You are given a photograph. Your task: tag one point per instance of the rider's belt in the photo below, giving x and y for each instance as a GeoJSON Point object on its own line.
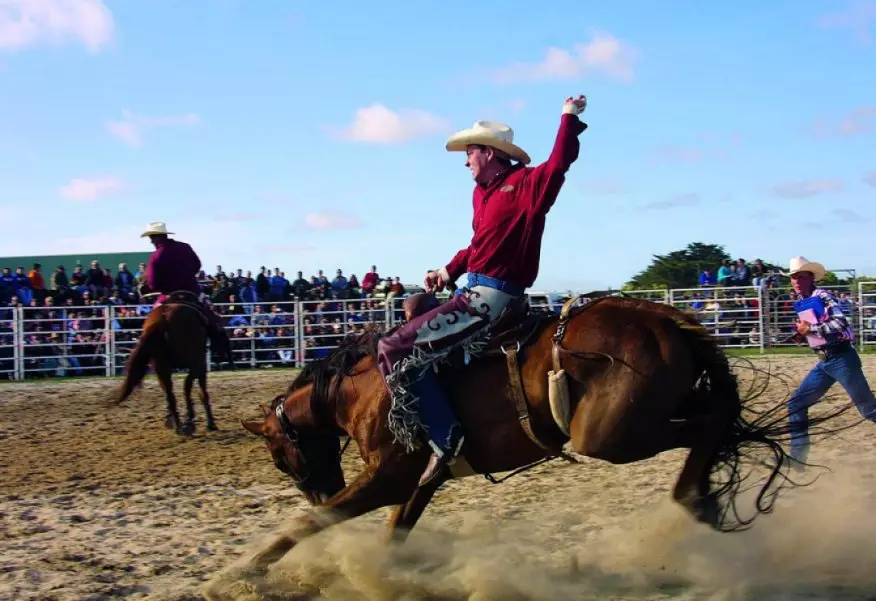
{"type": "Point", "coordinates": [830, 350]}
{"type": "Point", "coordinates": [476, 279]}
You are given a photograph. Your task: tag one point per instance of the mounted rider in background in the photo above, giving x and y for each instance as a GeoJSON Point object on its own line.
{"type": "Point", "coordinates": [511, 203]}
{"type": "Point", "coordinates": [172, 269]}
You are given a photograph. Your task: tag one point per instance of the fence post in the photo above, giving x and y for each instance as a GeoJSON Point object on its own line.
{"type": "Point", "coordinates": [299, 334]}
{"type": "Point", "coordinates": [860, 303]}
{"type": "Point", "coordinates": [760, 319]}
{"type": "Point", "coordinates": [107, 345]}
{"type": "Point", "coordinates": [18, 341]}
{"type": "Point", "coordinates": [111, 338]}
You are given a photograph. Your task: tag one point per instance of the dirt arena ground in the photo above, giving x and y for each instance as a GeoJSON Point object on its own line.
{"type": "Point", "coordinates": [100, 503]}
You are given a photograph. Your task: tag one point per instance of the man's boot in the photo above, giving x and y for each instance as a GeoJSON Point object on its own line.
{"type": "Point", "coordinates": [444, 431]}
{"type": "Point", "coordinates": [220, 343]}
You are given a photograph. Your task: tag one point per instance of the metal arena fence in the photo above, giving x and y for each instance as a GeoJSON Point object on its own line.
{"type": "Point", "coordinates": [95, 340]}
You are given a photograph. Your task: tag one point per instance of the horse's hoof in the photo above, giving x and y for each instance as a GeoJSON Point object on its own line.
{"type": "Point", "coordinates": [707, 510]}
{"type": "Point", "coordinates": [187, 429]}
{"type": "Point", "coordinates": [171, 423]}
{"type": "Point", "coordinates": [212, 427]}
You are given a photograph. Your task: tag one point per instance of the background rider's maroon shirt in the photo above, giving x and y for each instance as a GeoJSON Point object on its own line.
{"type": "Point", "coordinates": [509, 214]}
{"type": "Point", "coordinates": [173, 266]}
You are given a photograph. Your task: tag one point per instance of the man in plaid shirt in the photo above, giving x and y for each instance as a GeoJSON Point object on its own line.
{"type": "Point", "coordinates": [831, 338]}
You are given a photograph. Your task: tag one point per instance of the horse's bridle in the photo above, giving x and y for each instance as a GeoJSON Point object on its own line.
{"type": "Point", "coordinates": [294, 437]}
{"type": "Point", "coordinates": [299, 441]}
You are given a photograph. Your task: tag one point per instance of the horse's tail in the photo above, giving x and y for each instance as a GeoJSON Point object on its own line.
{"type": "Point", "coordinates": [138, 361]}
{"type": "Point", "coordinates": [754, 436]}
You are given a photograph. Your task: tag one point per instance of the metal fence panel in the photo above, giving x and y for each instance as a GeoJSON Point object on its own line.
{"type": "Point", "coordinates": [53, 341]}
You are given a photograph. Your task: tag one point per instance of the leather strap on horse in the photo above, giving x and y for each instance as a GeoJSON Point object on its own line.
{"type": "Point", "coordinates": [518, 395]}
{"type": "Point", "coordinates": [557, 347]}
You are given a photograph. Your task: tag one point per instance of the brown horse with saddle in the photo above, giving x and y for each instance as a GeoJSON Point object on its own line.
{"type": "Point", "coordinates": [175, 332]}
{"type": "Point", "coordinates": [621, 379]}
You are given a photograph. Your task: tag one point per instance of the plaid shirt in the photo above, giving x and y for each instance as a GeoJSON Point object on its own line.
{"type": "Point", "coordinates": [833, 325]}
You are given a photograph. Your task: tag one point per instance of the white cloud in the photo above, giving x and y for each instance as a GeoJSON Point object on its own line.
{"type": "Point", "coordinates": [859, 19]}
{"type": "Point", "coordinates": [131, 128]}
{"type": "Point", "coordinates": [604, 53]}
{"type": "Point", "coordinates": [857, 121]}
{"type": "Point", "coordinates": [377, 123]}
{"type": "Point", "coordinates": [26, 23]}
{"type": "Point", "coordinates": [806, 188]}
{"type": "Point", "coordinates": [90, 189]}
{"type": "Point", "coordinates": [331, 221]}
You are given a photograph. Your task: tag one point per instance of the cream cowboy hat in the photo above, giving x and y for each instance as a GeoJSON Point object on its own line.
{"type": "Point", "coordinates": [488, 133]}
{"type": "Point", "coordinates": [156, 228]}
{"type": "Point", "coordinates": [799, 264]}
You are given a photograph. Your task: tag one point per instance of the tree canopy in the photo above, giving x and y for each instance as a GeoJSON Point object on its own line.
{"type": "Point", "coordinates": [682, 268]}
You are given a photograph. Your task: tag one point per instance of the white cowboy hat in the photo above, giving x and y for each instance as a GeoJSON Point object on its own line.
{"type": "Point", "coordinates": [488, 133]}
{"type": "Point", "coordinates": [155, 228]}
{"type": "Point", "coordinates": [798, 264]}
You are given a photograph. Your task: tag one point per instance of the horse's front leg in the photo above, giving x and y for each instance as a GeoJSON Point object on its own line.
{"type": "Point", "coordinates": [406, 516]}
{"type": "Point", "coordinates": [371, 490]}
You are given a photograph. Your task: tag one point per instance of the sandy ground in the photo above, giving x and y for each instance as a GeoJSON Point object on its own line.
{"type": "Point", "coordinates": [100, 503]}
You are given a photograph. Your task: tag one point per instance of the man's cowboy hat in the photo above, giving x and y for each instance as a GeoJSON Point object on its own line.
{"type": "Point", "coordinates": [488, 133]}
{"type": "Point", "coordinates": [799, 264]}
{"type": "Point", "coordinates": [156, 228]}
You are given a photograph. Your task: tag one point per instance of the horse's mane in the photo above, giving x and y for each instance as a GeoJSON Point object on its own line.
{"type": "Point", "coordinates": [339, 362]}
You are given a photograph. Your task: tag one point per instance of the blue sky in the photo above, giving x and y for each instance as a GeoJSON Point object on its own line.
{"type": "Point", "coordinates": [282, 134]}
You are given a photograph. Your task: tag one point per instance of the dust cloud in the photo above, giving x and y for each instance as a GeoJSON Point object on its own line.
{"type": "Point", "coordinates": [815, 546]}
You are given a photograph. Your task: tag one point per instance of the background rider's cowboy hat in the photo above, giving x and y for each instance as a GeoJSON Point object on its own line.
{"type": "Point", "coordinates": [798, 264]}
{"type": "Point", "coordinates": [488, 133]}
{"type": "Point", "coordinates": [156, 228]}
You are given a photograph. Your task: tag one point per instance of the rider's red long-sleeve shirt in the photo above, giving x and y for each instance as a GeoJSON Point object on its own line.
{"type": "Point", "coordinates": [509, 214]}
{"type": "Point", "coordinates": [172, 267]}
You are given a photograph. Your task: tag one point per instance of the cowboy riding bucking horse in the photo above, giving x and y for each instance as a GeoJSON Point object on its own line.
{"type": "Point", "coordinates": [511, 202]}
{"type": "Point", "coordinates": [173, 269]}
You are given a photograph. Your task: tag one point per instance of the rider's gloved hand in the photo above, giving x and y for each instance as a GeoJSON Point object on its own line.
{"type": "Point", "coordinates": [575, 106]}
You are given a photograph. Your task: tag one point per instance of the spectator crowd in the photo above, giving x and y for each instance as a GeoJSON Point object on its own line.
{"type": "Point", "coordinates": [65, 325]}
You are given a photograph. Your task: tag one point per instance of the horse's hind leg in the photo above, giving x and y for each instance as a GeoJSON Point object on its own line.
{"type": "Point", "coordinates": [704, 436]}
{"type": "Point", "coordinates": [189, 425]}
{"type": "Point", "coordinates": [205, 400]}
{"type": "Point", "coordinates": [165, 378]}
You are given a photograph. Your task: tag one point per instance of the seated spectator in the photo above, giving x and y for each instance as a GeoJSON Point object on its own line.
{"type": "Point", "coordinates": [21, 285]}
{"type": "Point", "coordinates": [339, 285]}
{"type": "Point", "coordinates": [37, 283]}
{"type": "Point", "coordinates": [370, 281]}
{"type": "Point", "coordinates": [707, 278]}
{"type": "Point", "coordinates": [725, 274]}
{"type": "Point", "coordinates": [300, 286]}
{"type": "Point", "coordinates": [125, 281]}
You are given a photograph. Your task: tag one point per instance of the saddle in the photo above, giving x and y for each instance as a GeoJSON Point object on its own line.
{"type": "Point", "coordinates": [191, 300]}
{"type": "Point", "coordinates": [510, 334]}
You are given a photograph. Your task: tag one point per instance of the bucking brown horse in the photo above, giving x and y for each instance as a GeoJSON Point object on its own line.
{"type": "Point", "coordinates": [174, 337]}
{"type": "Point", "coordinates": [621, 379]}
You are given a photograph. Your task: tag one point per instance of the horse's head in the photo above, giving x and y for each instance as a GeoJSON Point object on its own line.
{"type": "Point", "coordinates": [310, 455]}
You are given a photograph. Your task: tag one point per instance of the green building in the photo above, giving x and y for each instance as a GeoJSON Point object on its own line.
{"type": "Point", "coordinates": [50, 262]}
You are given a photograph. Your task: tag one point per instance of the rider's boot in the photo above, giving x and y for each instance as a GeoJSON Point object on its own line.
{"type": "Point", "coordinates": [219, 340]}
{"type": "Point", "coordinates": [444, 431]}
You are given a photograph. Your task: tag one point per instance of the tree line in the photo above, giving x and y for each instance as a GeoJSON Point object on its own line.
{"type": "Point", "coordinates": [682, 269]}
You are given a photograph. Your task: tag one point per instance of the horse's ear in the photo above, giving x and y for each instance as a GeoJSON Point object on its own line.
{"type": "Point", "coordinates": [256, 428]}
{"type": "Point", "coordinates": [266, 410]}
